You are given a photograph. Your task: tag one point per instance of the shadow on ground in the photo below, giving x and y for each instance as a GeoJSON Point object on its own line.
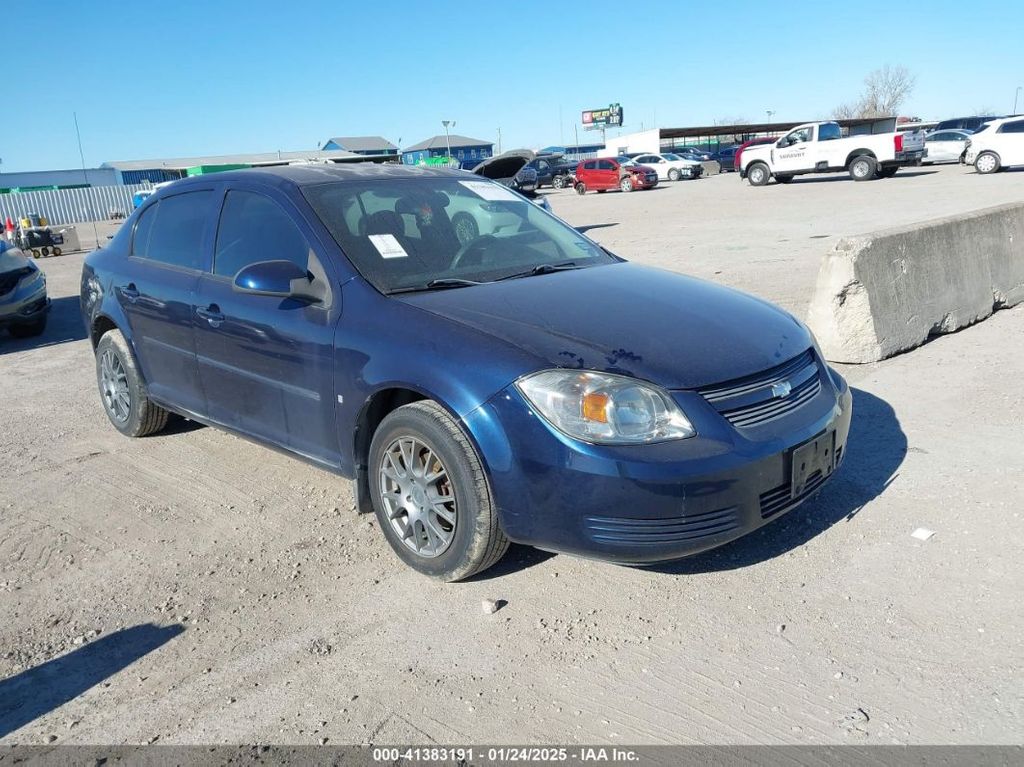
{"type": "Point", "coordinates": [813, 178]}
{"type": "Point", "coordinates": [39, 690]}
{"type": "Point", "coordinates": [63, 324]}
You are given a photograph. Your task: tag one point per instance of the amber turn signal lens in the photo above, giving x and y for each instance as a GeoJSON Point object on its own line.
{"type": "Point", "coordinates": [595, 407]}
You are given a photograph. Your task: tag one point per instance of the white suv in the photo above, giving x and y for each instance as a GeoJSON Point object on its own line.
{"type": "Point", "coordinates": [997, 145]}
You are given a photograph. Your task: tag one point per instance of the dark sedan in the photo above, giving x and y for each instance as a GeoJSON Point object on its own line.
{"type": "Point", "coordinates": [524, 386]}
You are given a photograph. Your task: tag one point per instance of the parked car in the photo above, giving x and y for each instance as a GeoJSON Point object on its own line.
{"type": "Point", "coordinates": [964, 123]}
{"type": "Point", "coordinates": [692, 153]}
{"type": "Point", "coordinates": [670, 166]}
{"type": "Point", "coordinates": [24, 305]}
{"type": "Point", "coordinates": [553, 170]}
{"type": "Point", "coordinates": [605, 173]}
{"type": "Point", "coordinates": [511, 169]}
{"type": "Point", "coordinates": [737, 159]}
{"type": "Point", "coordinates": [821, 148]}
{"type": "Point", "coordinates": [726, 157]}
{"type": "Point", "coordinates": [945, 145]}
{"type": "Point", "coordinates": [997, 145]}
{"type": "Point", "coordinates": [472, 392]}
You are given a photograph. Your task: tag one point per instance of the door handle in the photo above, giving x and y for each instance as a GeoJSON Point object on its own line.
{"type": "Point", "coordinates": [211, 314]}
{"type": "Point", "coordinates": [129, 292]}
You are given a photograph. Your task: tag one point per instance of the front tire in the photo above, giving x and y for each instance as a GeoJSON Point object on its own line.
{"type": "Point", "coordinates": [123, 391]}
{"type": "Point", "coordinates": [758, 174]}
{"type": "Point", "coordinates": [986, 162]}
{"type": "Point", "coordinates": [626, 184]}
{"type": "Point", "coordinates": [558, 182]}
{"type": "Point", "coordinates": [863, 168]}
{"type": "Point", "coordinates": [673, 174]}
{"type": "Point", "coordinates": [431, 495]}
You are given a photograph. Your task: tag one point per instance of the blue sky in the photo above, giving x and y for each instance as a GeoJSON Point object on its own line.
{"type": "Point", "coordinates": [155, 78]}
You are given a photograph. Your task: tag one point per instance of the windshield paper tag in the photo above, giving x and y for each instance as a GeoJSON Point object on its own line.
{"type": "Point", "coordinates": [388, 246]}
{"type": "Point", "coordinates": [491, 192]}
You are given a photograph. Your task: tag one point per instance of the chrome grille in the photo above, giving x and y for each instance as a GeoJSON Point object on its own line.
{"type": "Point", "coordinates": [762, 397]}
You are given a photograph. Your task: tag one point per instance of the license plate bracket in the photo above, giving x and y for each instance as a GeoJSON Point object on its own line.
{"type": "Point", "coordinates": [813, 457]}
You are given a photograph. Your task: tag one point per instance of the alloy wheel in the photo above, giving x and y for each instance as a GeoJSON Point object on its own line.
{"type": "Point", "coordinates": [114, 386]}
{"type": "Point", "coordinates": [418, 497]}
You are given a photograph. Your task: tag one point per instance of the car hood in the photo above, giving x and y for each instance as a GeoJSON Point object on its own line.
{"type": "Point", "coordinates": [505, 165]}
{"type": "Point", "coordinates": [11, 260]}
{"type": "Point", "coordinates": [675, 331]}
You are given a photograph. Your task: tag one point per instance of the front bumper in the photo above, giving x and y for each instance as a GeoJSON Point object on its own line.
{"type": "Point", "coordinates": [26, 304]}
{"type": "Point", "coordinates": [645, 182]}
{"type": "Point", "coordinates": [648, 503]}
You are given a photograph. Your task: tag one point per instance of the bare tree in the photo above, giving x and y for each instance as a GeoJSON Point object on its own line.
{"type": "Point", "coordinates": [885, 91]}
{"type": "Point", "coordinates": [983, 111]}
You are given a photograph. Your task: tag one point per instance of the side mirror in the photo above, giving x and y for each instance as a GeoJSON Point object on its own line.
{"type": "Point", "coordinates": [280, 279]}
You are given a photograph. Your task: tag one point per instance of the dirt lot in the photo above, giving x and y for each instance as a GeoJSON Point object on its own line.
{"type": "Point", "coordinates": [195, 588]}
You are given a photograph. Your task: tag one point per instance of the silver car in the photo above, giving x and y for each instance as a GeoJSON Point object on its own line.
{"type": "Point", "coordinates": [945, 145]}
{"type": "Point", "coordinates": [23, 302]}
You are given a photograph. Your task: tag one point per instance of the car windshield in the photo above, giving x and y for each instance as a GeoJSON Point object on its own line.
{"type": "Point", "coordinates": [435, 233]}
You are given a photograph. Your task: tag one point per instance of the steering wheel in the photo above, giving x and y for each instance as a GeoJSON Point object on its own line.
{"type": "Point", "coordinates": [469, 247]}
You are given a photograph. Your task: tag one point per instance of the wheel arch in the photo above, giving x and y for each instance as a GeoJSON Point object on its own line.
{"type": "Point", "coordinates": [859, 153]}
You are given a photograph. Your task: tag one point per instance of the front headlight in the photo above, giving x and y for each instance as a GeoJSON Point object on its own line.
{"type": "Point", "coordinates": [604, 408]}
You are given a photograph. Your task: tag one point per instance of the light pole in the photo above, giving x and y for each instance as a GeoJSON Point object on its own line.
{"type": "Point", "coordinates": [447, 139]}
{"type": "Point", "coordinates": [770, 112]}
{"type": "Point", "coordinates": [1016, 93]}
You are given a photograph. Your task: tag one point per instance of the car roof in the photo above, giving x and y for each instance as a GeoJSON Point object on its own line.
{"type": "Point", "coordinates": [307, 175]}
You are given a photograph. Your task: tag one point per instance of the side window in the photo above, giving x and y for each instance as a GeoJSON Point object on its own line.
{"type": "Point", "coordinates": [590, 165]}
{"type": "Point", "coordinates": [605, 165]}
{"type": "Point", "coordinates": [143, 227]}
{"type": "Point", "coordinates": [254, 228]}
{"type": "Point", "coordinates": [1014, 127]}
{"type": "Point", "coordinates": [171, 231]}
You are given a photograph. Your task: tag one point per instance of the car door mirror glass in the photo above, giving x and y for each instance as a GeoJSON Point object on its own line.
{"type": "Point", "coordinates": [281, 279]}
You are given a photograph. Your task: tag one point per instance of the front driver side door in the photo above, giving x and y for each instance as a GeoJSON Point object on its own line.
{"type": "Point", "coordinates": [266, 363]}
{"type": "Point", "coordinates": [794, 151]}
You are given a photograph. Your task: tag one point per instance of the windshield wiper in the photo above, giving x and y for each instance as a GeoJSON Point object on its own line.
{"type": "Point", "coordinates": [541, 269]}
{"type": "Point", "coordinates": [438, 284]}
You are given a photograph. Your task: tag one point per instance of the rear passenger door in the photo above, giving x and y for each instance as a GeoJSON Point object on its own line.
{"type": "Point", "coordinates": [267, 363]}
{"type": "Point", "coordinates": [170, 240]}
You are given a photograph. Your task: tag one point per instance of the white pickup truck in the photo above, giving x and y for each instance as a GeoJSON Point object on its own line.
{"type": "Point", "coordinates": [821, 148]}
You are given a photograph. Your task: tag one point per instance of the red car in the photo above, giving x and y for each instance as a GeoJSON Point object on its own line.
{"type": "Point", "coordinates": [745, 144]}
{"type": "Point", "coordinates": [607, 173]}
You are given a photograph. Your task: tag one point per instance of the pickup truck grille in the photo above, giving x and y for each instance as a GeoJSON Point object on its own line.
{"type": "Point", "coordinates": [756, 399]}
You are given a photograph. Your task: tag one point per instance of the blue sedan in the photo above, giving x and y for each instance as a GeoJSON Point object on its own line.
{"type": "Point", "coordinates": [521, 385]}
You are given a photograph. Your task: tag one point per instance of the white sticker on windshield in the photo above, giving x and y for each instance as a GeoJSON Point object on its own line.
{"type": "Point", "coordinates": [492, 192]}
{"type": "Point", "coordinates": [388, 246]}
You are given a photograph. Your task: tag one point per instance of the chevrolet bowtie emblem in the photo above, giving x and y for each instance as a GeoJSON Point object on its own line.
{"type": "Point", "coordinates": [781, 390]}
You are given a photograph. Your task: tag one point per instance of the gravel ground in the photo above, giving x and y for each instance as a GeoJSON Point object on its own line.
{"type": "Point", "coordinates": [195, 588]}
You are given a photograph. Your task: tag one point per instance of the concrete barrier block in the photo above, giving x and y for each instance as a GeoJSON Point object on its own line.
{"type": "Point", "coordinates": [883, 293]}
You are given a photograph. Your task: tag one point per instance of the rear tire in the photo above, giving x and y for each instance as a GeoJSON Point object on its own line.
{"type": "Point", "coordinates": [123, 392]}
{"type": "Point", "coordinates": [863, 168]}
{"type": "Point", "coordinates": [758, 174]}
{"type": "Point", "coordinates": [412, 444]}
{"type": "Point", "coordinates": [581, 188]}
{"type": "Point", "coordinates": [986, 162]}
{"type": "Point", "coordinates": [558, 182]}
